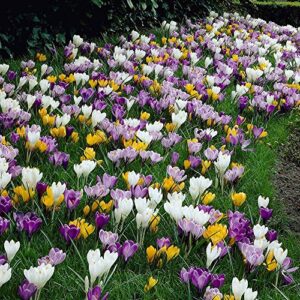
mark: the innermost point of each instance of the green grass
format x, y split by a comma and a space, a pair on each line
279, 3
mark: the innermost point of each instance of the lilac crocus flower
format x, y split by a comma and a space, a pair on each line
69, 232
26, 290
129, 248
164, 241
107, 237
253, 255
287, 271
55, 257
72, 199
96, 294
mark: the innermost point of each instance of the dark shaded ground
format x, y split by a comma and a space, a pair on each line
287, 178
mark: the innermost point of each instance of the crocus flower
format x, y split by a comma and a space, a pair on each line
96, 294
5, 205
55, 257
4, 225
101, 220
39, 275
26, 290
28, 222
11, 249
5, 274
72, 198
128, 249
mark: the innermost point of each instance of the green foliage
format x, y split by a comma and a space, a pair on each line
30, 26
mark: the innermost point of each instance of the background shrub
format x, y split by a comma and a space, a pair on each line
33, 25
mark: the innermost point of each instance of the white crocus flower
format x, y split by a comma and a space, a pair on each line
144, 136
5, 274
33, 137
77, 40
84, 168
134, 35
5, 179
250, 294
123, 210
133, 178
32, 83
253, 74
174, 206
86, 110
62, 120
155, 196
263, 202
208, 61
30, 177
39, 275
97, 117
179, 118
222, 163
30, 99
280, 255
57, 189
44, 68
260, 231
212, 253
11, 248
3, 69
239, 287
198, 185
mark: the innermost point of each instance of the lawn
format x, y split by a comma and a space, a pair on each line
156, 111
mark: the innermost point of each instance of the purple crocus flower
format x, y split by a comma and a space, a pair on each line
41, 188
3, 259
26, 290
129, 248
72, 199
29, 222
217, 280
265, 213
5, 205
257, 131
69, 232
239, 227
200, 278
4, 225
101, 220
271, 235
60, 159
96, 293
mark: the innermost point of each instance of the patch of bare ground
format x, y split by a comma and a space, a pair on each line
287, 178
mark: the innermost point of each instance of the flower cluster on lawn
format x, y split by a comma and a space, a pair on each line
139, 146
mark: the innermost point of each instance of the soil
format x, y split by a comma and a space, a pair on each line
287, 178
